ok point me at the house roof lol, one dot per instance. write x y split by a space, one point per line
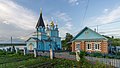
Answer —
88 34
37 39
40 21
33 38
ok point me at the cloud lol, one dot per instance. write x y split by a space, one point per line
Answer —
19 22
105 10
73 2
12 13
15 20
110 16
66 21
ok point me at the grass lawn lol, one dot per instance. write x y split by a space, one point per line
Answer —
11 60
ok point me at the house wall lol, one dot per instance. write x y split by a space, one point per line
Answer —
103 46
73 46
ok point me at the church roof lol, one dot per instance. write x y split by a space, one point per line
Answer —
88 34
40 21
33 38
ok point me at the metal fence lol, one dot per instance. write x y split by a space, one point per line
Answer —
66 55
112 62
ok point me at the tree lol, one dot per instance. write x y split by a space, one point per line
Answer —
66 43
68 37
114 41
112 37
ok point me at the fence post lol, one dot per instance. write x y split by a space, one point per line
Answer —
6 49
17 49
118 62
51 53
35 52
11 49
25 50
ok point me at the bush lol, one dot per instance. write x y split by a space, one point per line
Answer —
28 61
118 53
96 54
72 53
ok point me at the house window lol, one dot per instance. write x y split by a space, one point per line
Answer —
78 46
88 46
96 46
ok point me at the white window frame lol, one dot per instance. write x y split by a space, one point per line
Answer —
98 46
76 45
90 44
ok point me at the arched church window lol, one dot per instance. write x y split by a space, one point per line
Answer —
30 46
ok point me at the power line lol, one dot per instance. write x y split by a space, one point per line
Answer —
26 35
97 26
85 11
83 15
105 23
112 31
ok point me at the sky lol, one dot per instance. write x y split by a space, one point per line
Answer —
18 18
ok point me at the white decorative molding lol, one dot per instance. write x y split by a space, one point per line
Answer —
87 45
98 49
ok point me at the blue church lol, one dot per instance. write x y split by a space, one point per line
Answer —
45 37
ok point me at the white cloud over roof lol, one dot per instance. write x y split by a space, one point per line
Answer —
15 20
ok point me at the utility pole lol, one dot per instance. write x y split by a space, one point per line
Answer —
11 40
12 46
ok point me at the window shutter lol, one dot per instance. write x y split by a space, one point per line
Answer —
94 46
86 46
98 47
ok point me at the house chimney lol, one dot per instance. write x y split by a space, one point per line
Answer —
95 29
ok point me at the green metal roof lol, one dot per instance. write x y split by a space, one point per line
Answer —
88 34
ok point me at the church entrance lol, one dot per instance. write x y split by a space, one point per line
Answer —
30 46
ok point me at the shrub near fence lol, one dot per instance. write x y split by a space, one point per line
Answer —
66 55
28 61
100 55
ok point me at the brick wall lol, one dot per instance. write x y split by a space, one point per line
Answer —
73 46
103 46
83 47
